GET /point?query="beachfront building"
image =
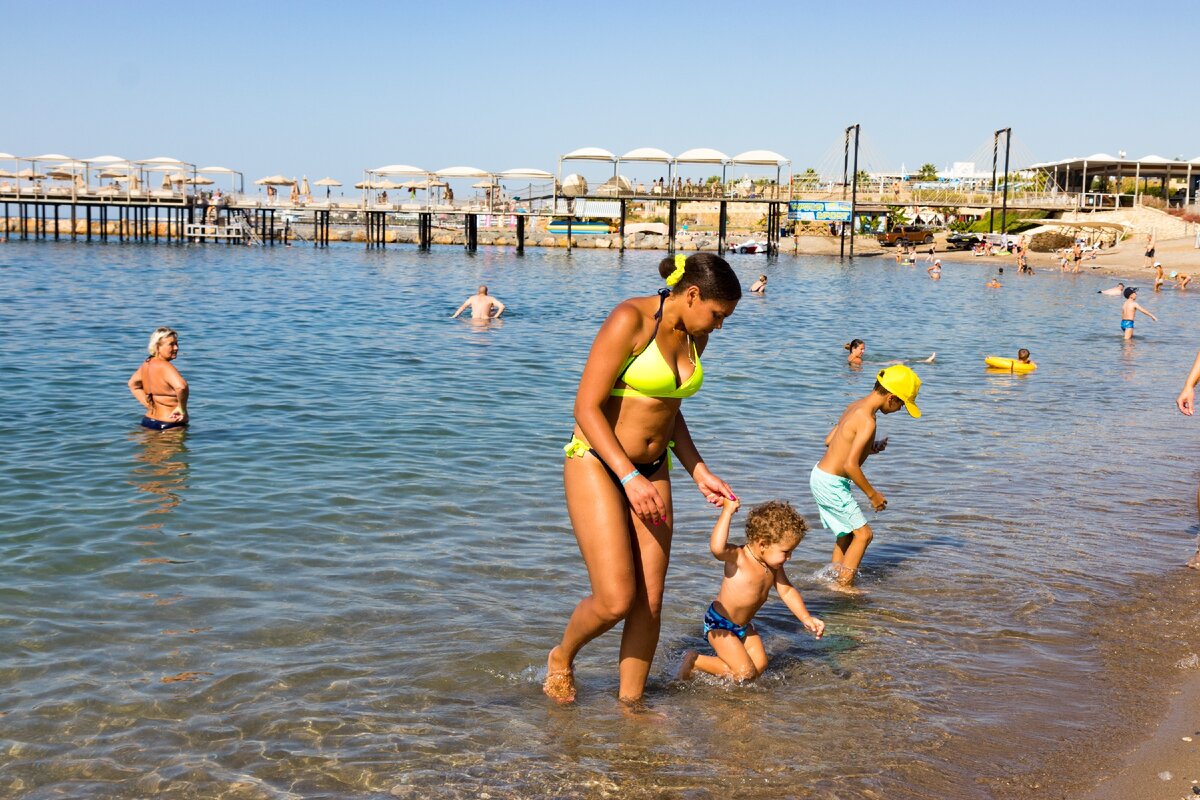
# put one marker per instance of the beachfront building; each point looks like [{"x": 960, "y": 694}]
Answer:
[{"x": 1105, "y": 181}]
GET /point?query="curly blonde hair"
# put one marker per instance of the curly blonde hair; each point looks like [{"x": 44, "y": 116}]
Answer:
[{"x": 773, "y": 522}]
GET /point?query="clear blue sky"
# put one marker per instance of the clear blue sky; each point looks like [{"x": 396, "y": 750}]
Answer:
[{"x": 331, "y": 88}]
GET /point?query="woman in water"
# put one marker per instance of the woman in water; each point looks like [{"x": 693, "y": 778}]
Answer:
[
  {"x": 858, "y": 347},
  {"x": 643, "y": 362},
  {"x": 158, "y": 386}
]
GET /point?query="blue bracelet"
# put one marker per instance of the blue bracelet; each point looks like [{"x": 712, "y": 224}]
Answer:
[{"x": 629, "y": 477}]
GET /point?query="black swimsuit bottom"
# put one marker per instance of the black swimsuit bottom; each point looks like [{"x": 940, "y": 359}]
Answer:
[{"x": 648, "y": 470}]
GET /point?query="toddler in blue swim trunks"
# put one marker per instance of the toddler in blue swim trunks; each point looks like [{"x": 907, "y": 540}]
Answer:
[
  {"x": 848, "y": 445},
  {"x": 773, "y": 530}
]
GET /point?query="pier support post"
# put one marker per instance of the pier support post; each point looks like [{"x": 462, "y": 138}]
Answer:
[
  {"x": 672, "y": 215},
  {"x": 520, "y": 233},
  {"x": 55, "y": 207},
  {"x": 722, "y": 225},
  {"x": 621, "y": 230},
  {"x": 471, "y": 238},
  {"x": 570, "y": 239}
]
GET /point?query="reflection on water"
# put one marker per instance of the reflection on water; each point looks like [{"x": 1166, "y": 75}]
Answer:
[
  {"x": 162, "y": 469},
  {"x": 344, "y": 578}
]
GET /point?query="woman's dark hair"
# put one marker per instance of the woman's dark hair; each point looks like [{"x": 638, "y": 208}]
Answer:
[
  {"x": 711, "y": 274},
  {"x": 853, "y": 344}
]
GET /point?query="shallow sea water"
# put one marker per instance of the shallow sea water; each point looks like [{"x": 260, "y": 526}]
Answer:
[{"x": 343, "y": 578}]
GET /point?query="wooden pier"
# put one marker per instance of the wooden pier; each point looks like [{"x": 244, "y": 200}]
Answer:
[{"x": 183, "y": 219}]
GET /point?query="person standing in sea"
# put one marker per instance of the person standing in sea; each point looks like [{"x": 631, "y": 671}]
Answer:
[
  {"x": 1186, "y": 403},
  {"x": 158, "y": 386},
  {"x": 644, "y": 361}
]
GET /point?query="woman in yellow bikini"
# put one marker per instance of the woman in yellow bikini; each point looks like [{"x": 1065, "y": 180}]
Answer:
[{"x": 644, "y": 361}]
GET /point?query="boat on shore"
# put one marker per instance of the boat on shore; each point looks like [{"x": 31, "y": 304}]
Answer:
[{"x": 579, "y": 227}]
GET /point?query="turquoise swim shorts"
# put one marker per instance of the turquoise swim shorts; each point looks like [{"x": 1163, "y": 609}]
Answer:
[{"x": 839, "y": 510}]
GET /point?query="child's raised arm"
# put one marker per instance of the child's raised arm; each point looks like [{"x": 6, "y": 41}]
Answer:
[
  {"x": 722, "y": 550},
  {"x": 860, "y": 448},
  {"x": 793, "y": 600}
]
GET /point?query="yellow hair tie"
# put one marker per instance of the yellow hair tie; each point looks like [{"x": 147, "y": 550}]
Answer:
[{"x": 674, "y": 277}]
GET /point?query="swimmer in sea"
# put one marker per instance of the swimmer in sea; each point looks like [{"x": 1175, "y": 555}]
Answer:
[
  {"x": 1159, "y": 280},
  {"x": 1130, "y": 308},
  {"x": 993, "y": 284},
  {"x": 1023, "y": 356},
  {"x": 158, "y": 386},
  {"x": 760, "y": 285},
  {"x": 481, "y": 304},
  {"x": 935, "y": 270},
  {"x": 858, "y": 347},
  {"x": 1115, "y": 291}
]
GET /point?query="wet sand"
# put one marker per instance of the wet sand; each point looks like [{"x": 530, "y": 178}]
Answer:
[{"x": 1166, "y": 765}]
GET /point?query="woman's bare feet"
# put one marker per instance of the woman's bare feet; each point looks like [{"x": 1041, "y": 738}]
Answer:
[
  {"x": 687, "y": 665},
  {"x": 559, "y": 685}
]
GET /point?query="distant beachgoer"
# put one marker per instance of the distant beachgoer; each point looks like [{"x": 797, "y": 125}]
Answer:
[
  {"x": 1186, "y": 403},
  {"x": 935, "y": 270},
  {"x": 1023, "y": 356},
  {"x": 773, "y": 530},
  {"x": 158, "y": 386},
  {"x": 644, "y": 362},
  {"x": 993, "y": 284},
  {"x": 1184, "y": 279},
  {"x": 1076, "y": 256},
  {"x": 1115, "y": 291},
  {"x": 1149, "y": 249},
  {"x": 1159, "y": 280},
  {"x": 1129, "y": 308},
  {"x": 760, "y": 285},
  {"x": 848, "y": 446},
  {"x": 930, "y": 257},
  {"x": 481, "y": 304}
]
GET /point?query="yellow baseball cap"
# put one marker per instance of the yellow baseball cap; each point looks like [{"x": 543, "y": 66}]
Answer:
[{"x": 904, "y": 383}]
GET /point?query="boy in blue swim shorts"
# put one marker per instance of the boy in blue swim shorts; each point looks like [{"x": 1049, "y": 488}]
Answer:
[
  {"x": 847, "y": 447},
  {"x": 1129, "y": 310},
  {"x": 773, "y": 530}
]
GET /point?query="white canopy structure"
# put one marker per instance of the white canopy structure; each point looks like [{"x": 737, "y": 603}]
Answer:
[
  {"x": 399, "y": 169},
  {"x": 1077, "y": 174},
  {"x": 766, "y": 158},
  {"x": 648, "y": 154},
  {"x": 462, "y": 172},
  {"x": 702, "y": 155},
  {"x": 588, "y": 154},
  {"x": 525, "y": 174}
]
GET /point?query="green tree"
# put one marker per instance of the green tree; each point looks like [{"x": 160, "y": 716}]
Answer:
[
  {"x": 927, "y": 172},
  {"x": 897, "y": 215}
]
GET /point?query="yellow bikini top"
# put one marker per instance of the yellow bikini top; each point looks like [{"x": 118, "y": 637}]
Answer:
[{"x": 647, "y": 374}]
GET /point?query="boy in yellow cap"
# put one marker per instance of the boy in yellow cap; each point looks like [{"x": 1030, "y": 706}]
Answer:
[{"x": 847, "y": 446}]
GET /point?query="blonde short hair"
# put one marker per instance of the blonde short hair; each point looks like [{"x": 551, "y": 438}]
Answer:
[{"x": 157, "y": 337}]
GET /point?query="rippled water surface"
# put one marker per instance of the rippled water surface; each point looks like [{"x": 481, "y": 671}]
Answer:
[{"x": 343, "y": 578}]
